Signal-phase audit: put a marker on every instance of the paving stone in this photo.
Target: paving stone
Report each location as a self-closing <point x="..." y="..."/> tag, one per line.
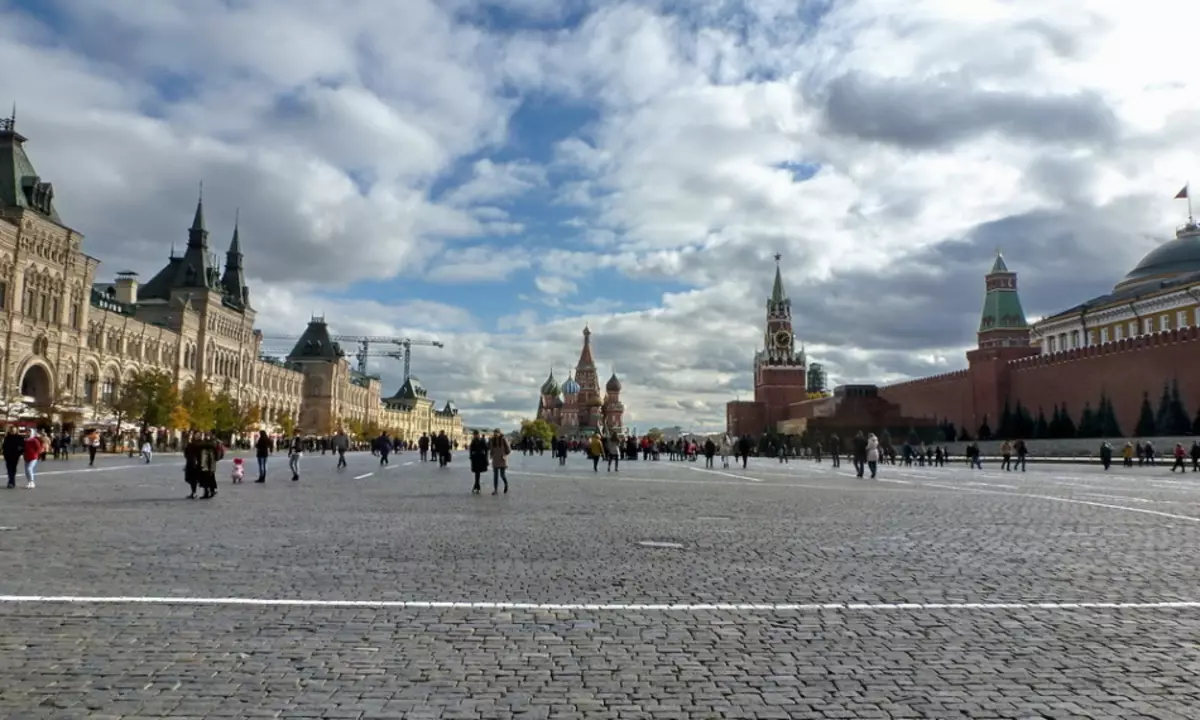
<point x="802" y="534"/>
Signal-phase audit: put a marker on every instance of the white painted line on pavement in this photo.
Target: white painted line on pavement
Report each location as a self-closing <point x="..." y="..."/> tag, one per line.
<point x="1121" y="498"/>
<point x="897" y="482"/>
<point x="1070" y="501"/>
<point x="364" y="475"/>
<point x="608" y="477"/>
<point x="410" y="462"/>
<point x="725" y="474"/>
<point x="41" y="473"/>
<point x="581" y="606"/>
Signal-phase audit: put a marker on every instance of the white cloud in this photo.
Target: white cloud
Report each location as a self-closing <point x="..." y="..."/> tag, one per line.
<point x="478" y="263"/>
<point x="492" y="181"/>
<point x="1058" y="130"/>
<point x="553" y="285"/>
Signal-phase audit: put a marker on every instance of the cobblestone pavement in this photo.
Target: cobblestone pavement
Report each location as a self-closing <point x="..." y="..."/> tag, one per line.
<point x="948" y="593"/>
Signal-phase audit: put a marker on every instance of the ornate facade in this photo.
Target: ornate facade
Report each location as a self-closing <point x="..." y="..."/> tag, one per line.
<point x="70" y="342"/>
<point x="578" y="408"/>
<point x="781" y="375"/>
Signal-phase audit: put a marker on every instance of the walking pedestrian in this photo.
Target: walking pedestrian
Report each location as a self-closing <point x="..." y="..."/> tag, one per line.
<point x="295" y="452"/>
<point x="478" y="451"/>
<point x="499" y="450"/>
<point x="33" y="454"/>
<point x="263" y="447"/>
<point x="14" y="450"/>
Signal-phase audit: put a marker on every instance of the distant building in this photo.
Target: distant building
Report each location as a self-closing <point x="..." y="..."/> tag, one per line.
<point x="780" y="371"/>
<point x="70" y="342"/>
<point x="577" y="408"/>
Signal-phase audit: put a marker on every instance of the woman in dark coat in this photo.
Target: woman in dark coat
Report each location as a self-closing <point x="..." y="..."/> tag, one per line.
<point x="478" y="450"/>
<point x="191" y="453"/>
<point x="200" y="465"/>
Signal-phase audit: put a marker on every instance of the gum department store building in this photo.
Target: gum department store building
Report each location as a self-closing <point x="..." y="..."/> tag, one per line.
<point x="69" y="342"/>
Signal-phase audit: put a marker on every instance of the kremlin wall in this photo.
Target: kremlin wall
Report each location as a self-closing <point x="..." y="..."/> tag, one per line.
<point x="1124" y="370"/>
<point x="1123" y="344"/>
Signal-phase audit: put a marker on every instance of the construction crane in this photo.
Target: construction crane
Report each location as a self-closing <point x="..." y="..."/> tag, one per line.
<point x="364" y="352"/>
<point x="365" y="342"/>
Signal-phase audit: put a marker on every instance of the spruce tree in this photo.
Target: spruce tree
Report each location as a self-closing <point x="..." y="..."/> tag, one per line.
<point x="1109" y="427"/>
<point x="1055" y="430"/>
<point x="1041" y="429"/>
<point x="1178" y="417"/>
<point x="985" y="430"/>
<point x="1196" y="423"/>
<point x="1068" y="425"/>
<point x="1005" y="431"/>
<point x="1162" y="418"/>
<point x="1022" y="422"/>
<point x="1145" y="424"/>
<point x="1087" y="422"/>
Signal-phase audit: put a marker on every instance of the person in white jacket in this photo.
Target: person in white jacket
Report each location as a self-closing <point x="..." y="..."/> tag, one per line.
<point x="726" y="447"/>
<point x="872" y="453"/>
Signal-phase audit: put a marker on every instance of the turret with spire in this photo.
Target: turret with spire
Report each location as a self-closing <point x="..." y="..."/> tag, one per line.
<point x="233" y="282"/>
<point x="21" y="188"/>
<point x="196" y="268"/>
<point x="779" y="340"/>
<point x="198" y="233"/>
<point x="1002" y="322"/>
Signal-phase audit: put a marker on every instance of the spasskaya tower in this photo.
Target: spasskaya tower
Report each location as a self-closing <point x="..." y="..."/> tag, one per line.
<point x="780" y="369"/>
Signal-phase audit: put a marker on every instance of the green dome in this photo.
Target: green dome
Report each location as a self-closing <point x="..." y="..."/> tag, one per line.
<point x="1180" y="256"/>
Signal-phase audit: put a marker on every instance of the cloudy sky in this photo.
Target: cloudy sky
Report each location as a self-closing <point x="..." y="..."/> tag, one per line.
<point x="496" y="173"/>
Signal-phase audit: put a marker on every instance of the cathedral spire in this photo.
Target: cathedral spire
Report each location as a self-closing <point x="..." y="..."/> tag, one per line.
<point x="585" y="355"/>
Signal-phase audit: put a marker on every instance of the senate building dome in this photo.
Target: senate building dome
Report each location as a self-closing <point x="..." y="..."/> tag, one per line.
<point x="1168" y="261"/>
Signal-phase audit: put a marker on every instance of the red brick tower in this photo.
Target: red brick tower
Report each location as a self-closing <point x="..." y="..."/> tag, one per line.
<point x="1004" y="336"/>
<point x="779" y="367"/>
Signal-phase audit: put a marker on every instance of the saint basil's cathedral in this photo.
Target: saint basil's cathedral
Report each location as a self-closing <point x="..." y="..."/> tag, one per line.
<point x="577" y="408"/>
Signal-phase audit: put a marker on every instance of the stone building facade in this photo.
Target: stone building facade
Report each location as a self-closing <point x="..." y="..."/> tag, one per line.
<point x="335" y="394"/>
<point x="69" y="342"/>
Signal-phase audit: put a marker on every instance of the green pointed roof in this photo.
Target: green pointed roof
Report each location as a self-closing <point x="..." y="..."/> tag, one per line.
<point x="1002" y="311"/>
<point x="1002" y="305"/>
<point x="20" y="184"/>
<point x="999" y="266"/>
<point x="777" y="293"/>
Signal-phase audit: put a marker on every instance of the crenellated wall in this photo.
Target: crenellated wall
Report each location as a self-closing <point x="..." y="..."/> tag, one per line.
<point x="941" y="397"/>
<point x="1124" y="370"/>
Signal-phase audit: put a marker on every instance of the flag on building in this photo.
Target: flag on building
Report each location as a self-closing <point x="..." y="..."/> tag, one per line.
<point x="1182" y="195"/>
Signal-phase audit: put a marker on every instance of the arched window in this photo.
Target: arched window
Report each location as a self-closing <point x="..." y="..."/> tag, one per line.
<point x="108" y="389"/>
